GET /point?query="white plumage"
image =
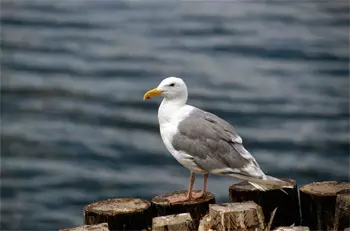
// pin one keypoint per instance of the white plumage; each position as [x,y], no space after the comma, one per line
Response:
[203,142]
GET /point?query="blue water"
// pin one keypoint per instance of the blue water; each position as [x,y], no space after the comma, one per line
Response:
[75,128]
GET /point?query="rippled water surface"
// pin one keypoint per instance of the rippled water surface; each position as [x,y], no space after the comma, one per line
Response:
[74,126]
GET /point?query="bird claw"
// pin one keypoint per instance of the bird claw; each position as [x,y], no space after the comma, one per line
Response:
[179,198]
[201,195]
[185,198]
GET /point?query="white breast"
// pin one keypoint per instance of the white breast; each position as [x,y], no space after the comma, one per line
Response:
[168,127]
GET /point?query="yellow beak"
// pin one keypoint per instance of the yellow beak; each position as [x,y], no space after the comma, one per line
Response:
[154,92]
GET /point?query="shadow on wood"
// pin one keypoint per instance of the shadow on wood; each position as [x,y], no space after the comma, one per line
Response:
[120,213]
[287,204]
[182,221]
[318,202]
[196,207]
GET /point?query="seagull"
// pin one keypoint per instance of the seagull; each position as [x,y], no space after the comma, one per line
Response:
[204,143]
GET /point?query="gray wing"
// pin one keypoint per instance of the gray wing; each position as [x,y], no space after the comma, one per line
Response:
[214,145]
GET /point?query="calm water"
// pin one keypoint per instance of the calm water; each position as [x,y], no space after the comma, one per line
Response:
[75,128]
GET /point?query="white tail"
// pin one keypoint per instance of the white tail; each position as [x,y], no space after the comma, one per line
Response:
[267,183]
[270,183]
[259,186]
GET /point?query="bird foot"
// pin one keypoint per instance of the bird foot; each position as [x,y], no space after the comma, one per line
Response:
[178,198]
[184,198]
[197,195]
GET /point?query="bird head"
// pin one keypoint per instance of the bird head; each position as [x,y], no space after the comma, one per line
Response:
[171,88]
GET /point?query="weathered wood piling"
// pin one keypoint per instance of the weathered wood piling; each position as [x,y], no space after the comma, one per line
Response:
[243,216]
[285,201]
[120,214]
[324,206]
[236,216]
[182,221]
[318,202]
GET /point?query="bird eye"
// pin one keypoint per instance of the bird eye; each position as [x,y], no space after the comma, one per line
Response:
[172,84]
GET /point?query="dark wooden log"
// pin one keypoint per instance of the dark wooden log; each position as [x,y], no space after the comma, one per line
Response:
[182,221]
[318,202]
[293,228]
[99,227]
[342,210]
[120,213]
[287,203]
[245,216]
[198,208]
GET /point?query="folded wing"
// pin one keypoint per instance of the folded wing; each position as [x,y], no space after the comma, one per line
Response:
[215,146]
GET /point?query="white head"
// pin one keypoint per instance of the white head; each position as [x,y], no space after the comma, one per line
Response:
[170,88]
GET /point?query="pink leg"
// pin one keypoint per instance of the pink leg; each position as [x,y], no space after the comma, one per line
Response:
[204,190]
[189,193]
[182,198]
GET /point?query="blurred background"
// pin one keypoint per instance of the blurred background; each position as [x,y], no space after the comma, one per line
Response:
[75,129]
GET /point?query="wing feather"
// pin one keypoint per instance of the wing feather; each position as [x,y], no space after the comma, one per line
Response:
[214,145]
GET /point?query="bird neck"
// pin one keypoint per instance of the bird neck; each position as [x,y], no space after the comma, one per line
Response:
[168,108]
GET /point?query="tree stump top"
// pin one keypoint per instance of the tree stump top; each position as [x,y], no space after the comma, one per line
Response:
[326,188]
[236,216]
[245,186]
[164,199]
[175,219]
[118,206]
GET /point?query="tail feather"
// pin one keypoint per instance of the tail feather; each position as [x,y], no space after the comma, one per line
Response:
[268,182]
[259,186]
[278,183]
[264,187]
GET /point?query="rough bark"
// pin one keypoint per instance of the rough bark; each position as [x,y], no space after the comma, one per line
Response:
[287,202]
[120,213]
[198,208]
[318,202]
[245,216]
[182,221]
[342,210]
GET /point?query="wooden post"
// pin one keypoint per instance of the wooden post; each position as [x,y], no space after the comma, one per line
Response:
[99,227]
[287,203]
[293,228]
[196,207]
[120,213]
[204,224]
[342,210]
[182,221]
[318,202]
[245,216]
